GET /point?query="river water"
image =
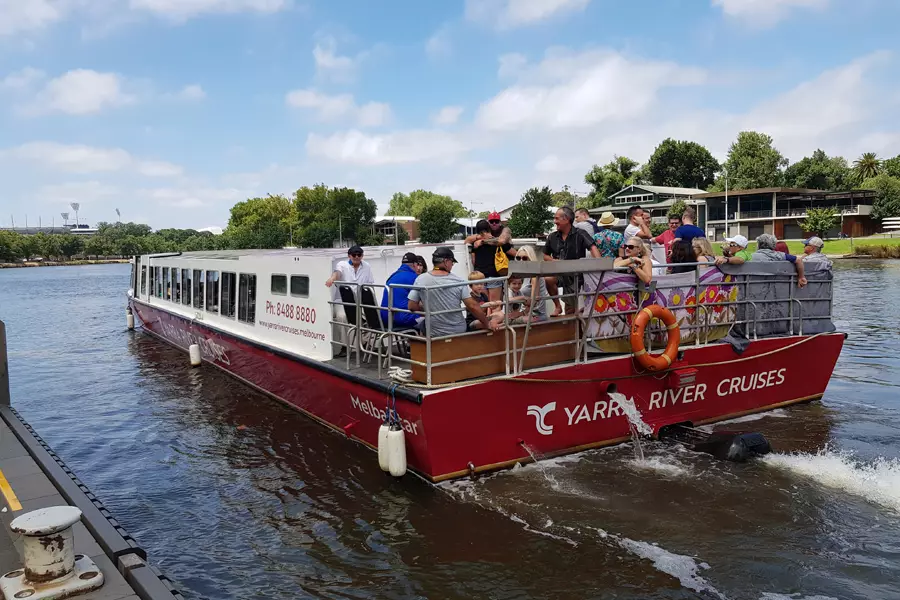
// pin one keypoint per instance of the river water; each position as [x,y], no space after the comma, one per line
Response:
[234,496]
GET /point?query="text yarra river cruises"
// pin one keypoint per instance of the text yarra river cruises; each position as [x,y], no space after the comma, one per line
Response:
[740,339]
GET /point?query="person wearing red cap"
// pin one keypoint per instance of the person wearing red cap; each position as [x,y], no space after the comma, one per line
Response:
[500,232]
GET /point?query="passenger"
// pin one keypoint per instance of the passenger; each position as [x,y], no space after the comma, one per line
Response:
[405,275]
[354,270]
[735,251]
[812,252]
[682,252]
[609,242]
[518,309]
[637,259]
[567,243]
[668,236]
[782,247]
[703,252]
[421,265]
[484,256]
[765,252]
[688,231]
[500,233]
[526,253]
[446,298]
[638,223]
[584,221]
[479,293]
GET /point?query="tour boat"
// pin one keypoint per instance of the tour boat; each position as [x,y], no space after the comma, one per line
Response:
[750,341]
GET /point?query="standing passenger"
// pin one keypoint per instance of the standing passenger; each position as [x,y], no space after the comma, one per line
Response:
[353,270]
[609,242]
[484,256]
[567,243]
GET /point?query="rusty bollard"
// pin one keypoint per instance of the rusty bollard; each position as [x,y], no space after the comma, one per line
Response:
[52,569]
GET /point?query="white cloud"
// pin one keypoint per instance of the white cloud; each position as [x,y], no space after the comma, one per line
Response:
[23,79]
[18,16]
[77,158]
[411,146]
[765,13]
[192,196]
[181,10]
[439,44]
[80,92]
[549,164]
[76,191]
[573,90]
[511,65]
[341,106]
[191,93]
[509,14]
[332,66]
[448,115]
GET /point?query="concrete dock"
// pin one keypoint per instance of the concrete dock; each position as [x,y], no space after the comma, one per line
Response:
[33,477]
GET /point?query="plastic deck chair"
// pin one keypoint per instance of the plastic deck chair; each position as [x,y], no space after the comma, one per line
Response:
[349,300]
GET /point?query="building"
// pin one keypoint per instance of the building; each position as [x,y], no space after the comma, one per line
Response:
[83,230]
[779,211]
[655,199]
[389,227]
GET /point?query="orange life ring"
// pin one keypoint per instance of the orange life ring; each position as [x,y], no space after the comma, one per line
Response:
[655,362]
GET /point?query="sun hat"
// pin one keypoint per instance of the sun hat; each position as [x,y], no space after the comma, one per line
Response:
[608,219]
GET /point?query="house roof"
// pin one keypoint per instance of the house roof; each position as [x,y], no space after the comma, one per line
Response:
[393,219]
[661,189]
[623,208]
[771,190]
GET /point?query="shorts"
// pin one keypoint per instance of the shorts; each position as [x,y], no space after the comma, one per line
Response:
[494,284]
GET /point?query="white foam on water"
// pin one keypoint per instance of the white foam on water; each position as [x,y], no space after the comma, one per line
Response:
[664,466]
[877,481]
[683,568]
[632,413]
[773,596]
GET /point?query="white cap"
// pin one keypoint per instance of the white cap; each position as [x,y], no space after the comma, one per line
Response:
[739,240]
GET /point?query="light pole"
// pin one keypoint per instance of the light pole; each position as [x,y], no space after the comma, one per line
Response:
[725,170]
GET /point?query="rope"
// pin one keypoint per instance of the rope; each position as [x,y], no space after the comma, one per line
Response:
[656,374]
[400,375]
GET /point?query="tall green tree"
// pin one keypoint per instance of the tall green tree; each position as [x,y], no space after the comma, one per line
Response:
[437,222]
[336,212]
[887,196]
[678,163]
[819,220]
[866,166]
[609,179]
[566,197]
[819,172]
[255,223]
[532,217]
[9,246]
[891,166]
[411,205]
[70,245]
[753,162]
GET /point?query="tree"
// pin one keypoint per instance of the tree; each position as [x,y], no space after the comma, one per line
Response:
[866,166]
[887,196]
[27,246]
[609,179]
[676,210]
[753,162]
[400,205]
[891,166]
[819,172]
[819,220]
[95,246]
[678,163]
[254,223]
[411,205]
[339,212]
[70,245]
[437,222]
[565,197]
[9,246]
[531,217]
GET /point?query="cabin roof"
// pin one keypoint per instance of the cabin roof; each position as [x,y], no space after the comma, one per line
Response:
[369,251]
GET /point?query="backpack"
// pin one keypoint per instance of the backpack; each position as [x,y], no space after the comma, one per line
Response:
[501,262]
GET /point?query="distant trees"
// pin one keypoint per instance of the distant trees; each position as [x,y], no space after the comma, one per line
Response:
[866,166]
[437,222]
[887,195]
[412,204]
[819,172]
[753,162]
[677,163]
[605,181]
[531,217]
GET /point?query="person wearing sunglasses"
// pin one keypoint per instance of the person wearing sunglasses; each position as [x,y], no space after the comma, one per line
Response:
[500,233]
[637,259]
[353,270]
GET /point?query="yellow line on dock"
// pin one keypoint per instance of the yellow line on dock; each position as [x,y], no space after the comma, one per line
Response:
[9,494]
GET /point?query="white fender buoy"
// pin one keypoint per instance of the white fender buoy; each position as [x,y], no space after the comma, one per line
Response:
[194,353]
[129,319]
[383,454]
[396,451]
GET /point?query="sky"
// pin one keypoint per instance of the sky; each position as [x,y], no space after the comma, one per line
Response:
[174,110]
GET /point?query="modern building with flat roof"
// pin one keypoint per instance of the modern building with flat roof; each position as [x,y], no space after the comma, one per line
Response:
[780,211]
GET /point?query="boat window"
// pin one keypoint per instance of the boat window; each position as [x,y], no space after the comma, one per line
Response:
[143,280]
[247,295]
[198,288]
[228,294]
[176,285]
[135,274]
[186,287]
[167,284]
[300,286]
[279,285]
[212,291]
[159,282]
[152,281]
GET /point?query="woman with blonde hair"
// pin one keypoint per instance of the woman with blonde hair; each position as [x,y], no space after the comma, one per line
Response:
[527,253]
[704,252]
[637,259]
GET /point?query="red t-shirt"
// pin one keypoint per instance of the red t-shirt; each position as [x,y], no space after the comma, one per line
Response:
[666,237]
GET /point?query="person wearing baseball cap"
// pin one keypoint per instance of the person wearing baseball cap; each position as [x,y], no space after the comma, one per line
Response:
[735,251]
[812,251]
[399,296]
[353,270]
[500,233]
[446,298]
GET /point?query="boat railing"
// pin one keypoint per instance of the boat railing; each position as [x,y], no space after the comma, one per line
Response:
[745,311]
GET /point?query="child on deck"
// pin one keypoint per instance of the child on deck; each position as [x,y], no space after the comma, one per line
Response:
[479,292]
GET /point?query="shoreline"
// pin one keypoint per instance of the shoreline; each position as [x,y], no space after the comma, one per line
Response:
[68,263]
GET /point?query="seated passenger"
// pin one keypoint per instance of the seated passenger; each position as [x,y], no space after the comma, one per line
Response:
[541,295]
[405,275]
[637,259]
[479,293]
[782,247]
[446,298]
[812,252]
[735,251]
[703,252]
[765,252]
[682,252]
[518,304]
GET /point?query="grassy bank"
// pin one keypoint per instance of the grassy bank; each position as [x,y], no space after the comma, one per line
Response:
[884,245]
[68,263]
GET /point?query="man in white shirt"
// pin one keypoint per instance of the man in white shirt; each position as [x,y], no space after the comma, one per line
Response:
[352,270]
[638,223]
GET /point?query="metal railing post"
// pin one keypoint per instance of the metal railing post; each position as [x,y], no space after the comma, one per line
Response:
[428,335]
[4,367]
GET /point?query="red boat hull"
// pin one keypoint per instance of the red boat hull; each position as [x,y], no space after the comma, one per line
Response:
[483,426]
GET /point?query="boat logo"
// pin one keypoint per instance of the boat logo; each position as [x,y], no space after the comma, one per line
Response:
[540,413]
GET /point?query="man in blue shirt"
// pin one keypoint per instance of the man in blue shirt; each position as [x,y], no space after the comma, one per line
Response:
[688,231]
[405,275]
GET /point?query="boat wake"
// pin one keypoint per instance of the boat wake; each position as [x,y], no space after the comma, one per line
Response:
[877,481]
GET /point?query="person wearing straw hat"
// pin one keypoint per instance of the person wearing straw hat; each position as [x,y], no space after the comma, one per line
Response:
[609,242]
